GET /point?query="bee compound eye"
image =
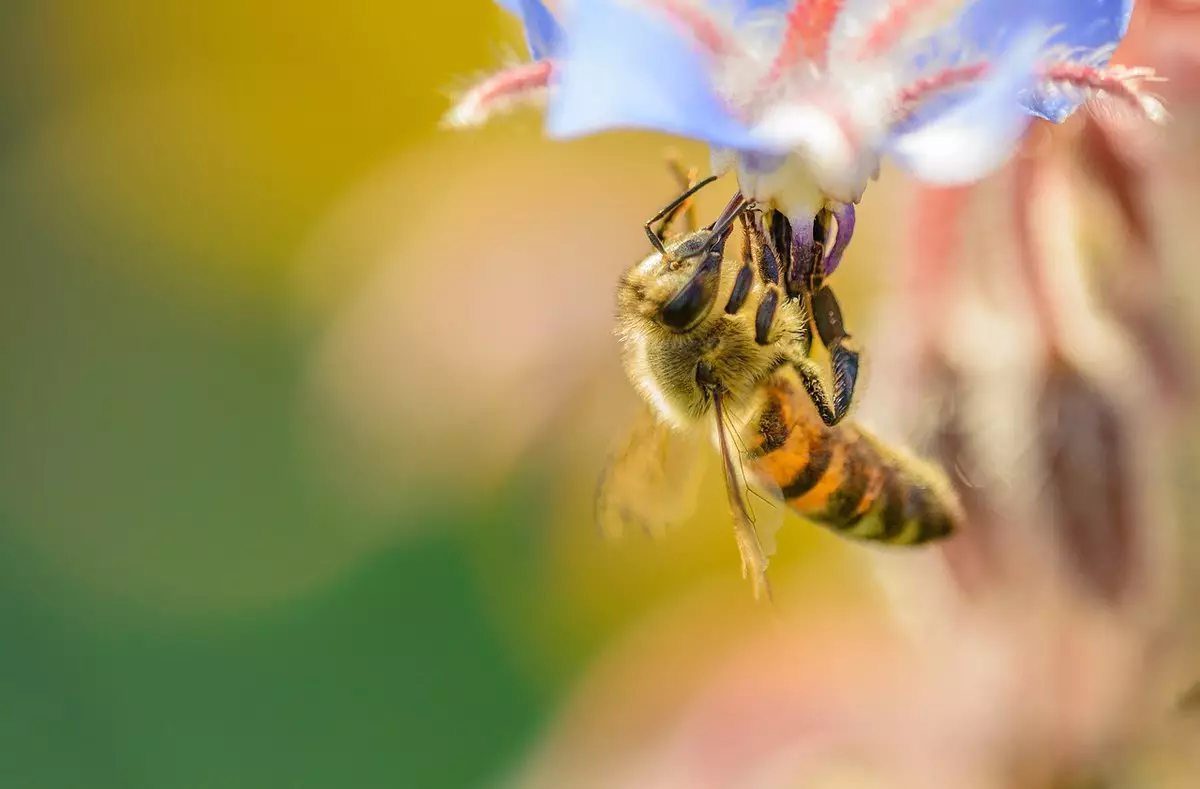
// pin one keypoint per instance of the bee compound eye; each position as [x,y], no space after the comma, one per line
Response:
[692,245]
[694,300]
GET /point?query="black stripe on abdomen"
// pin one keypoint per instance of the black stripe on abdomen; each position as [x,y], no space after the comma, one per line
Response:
[923,510]
[819,458]
[894,496]
[839,511]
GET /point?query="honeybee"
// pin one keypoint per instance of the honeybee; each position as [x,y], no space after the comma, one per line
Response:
[720,352]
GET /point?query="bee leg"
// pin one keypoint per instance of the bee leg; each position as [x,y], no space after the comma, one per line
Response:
[745,275]
[781,239]
[769,271]
[686,180]
[843,350]
[843,357]
[764,318]
[810,376]
[668,214]
[757,255]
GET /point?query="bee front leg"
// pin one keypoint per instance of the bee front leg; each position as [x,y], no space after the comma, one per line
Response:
[745,276]
[843,358]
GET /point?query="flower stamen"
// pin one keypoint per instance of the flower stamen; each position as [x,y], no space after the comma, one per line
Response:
[843,215]
[1120,81]
[699,27]
[895,24]
[499,92]
[912,95]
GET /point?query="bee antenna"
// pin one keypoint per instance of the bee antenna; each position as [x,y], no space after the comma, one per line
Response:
[655,240]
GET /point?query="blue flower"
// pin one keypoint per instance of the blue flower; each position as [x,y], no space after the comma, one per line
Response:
[804,98]
[520,84]
[542,31]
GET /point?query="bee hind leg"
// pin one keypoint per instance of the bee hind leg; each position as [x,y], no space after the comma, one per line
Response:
[843,358]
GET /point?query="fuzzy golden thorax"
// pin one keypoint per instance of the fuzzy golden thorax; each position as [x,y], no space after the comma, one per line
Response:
[687,325]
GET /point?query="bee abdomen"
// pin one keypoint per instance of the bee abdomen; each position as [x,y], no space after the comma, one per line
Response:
[842,479]
[904,512]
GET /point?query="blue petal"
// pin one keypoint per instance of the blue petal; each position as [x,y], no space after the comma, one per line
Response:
[622,68]
[767,5]
[754,6]
[542,31]
[978,134]
[1086,25]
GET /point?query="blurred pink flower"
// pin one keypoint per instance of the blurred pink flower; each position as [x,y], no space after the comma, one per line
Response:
[1037,648]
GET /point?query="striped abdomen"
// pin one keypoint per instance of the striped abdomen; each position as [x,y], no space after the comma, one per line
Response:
[844,478]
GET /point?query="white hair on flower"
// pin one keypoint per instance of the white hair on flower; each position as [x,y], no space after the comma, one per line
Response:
[803,97]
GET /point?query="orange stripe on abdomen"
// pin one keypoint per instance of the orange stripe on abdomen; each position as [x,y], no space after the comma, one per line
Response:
[812,501]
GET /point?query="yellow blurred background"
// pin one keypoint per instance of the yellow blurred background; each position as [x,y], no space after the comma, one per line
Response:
[302,400]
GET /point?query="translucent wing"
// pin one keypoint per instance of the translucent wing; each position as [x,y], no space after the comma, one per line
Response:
[651,479]
[754,527]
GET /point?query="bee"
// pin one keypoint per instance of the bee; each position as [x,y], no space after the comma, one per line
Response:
[719,350]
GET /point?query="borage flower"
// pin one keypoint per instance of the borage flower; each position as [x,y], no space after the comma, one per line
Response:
[803,99]
[520,84]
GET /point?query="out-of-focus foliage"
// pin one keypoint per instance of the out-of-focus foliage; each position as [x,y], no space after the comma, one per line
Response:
[185,596]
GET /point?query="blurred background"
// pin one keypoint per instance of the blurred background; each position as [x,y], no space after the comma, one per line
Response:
[302,401]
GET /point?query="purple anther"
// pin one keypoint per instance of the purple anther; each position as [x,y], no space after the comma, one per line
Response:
[760,162]
[805,255]
[844,215]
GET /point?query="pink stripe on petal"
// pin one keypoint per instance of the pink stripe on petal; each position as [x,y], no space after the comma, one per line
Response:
[698,26]
[1120,81]
[897,23]
[912,95]
[499,92]
[806,36]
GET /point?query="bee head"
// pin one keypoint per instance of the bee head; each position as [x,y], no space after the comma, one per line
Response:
[676,286]
[698,259]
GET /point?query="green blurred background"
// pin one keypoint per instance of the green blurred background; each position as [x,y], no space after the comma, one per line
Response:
[301,400]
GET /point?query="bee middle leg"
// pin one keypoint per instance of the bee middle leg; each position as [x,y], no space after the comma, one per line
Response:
[759,261]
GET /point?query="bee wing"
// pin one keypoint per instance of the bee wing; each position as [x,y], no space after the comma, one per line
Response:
[766,507]
[651,479]
[754,528]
